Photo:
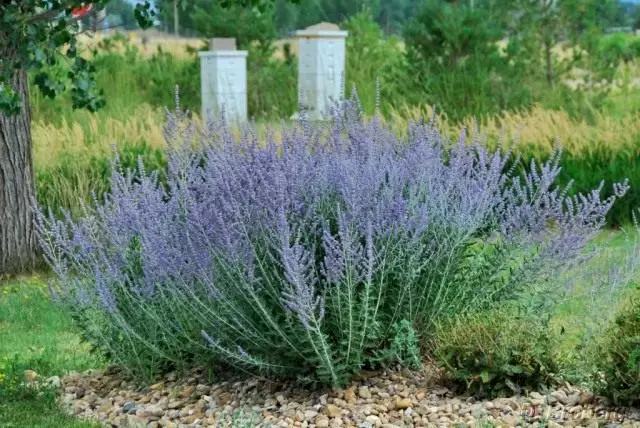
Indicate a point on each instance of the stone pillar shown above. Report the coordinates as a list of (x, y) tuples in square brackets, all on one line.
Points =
[(223, 79), (321, 56)]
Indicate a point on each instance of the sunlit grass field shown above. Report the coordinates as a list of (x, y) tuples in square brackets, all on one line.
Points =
[(539, 129)]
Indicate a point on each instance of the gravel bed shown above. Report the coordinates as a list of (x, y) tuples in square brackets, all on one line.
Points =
[(383, 399)]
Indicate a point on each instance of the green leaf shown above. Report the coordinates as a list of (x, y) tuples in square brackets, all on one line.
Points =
[(512, 386), (48, 86), (39, 55), (511, 369), (10, 102), (144, 14)]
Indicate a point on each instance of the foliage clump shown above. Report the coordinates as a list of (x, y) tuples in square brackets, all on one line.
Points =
[(336, 247), (74, 178), (495, 353), (619, 362)]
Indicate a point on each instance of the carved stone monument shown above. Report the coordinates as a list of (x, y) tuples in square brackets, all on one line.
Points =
[(223, 79), (321, 65)]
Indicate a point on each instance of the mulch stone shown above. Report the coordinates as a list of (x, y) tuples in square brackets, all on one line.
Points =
[(385, 399)]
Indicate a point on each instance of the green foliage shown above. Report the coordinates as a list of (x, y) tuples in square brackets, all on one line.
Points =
[(32, 34), (73, 180), (495, 352), (455, 63), (619, 362), (620, 47), (404, 348), (587, 170), (278, 83), (246, 25), (36, 335), (503, 55), (451, 34), (373, 62), (158, 77)]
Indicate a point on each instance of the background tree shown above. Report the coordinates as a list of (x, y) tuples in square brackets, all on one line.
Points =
[(124, 11), (288, 16), (34, 35), (455, 60), (576, 25), (393, 14), (245, 24), (285, 17), (489, 55), (634, 16)]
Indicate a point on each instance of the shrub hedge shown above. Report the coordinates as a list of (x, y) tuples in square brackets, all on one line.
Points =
[(73, 180), (498, 352), (602, 166)]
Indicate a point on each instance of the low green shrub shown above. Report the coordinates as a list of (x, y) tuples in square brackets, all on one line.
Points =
[(159, 76), (619, 363), (277, 80), (14, 381), (374, 62), (591, 167), (588, 170), (74, 179), (495, 352), (619, 47)]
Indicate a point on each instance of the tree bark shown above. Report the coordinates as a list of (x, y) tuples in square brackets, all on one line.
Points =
[(176, 18), (548, 55), (18, 248)]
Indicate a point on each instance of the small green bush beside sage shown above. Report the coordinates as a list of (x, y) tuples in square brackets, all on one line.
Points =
[(495, 353), (619, 365)]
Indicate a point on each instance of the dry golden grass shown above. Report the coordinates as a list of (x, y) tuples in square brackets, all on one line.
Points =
[(64, 155), (95, 135), (148, 42), (539, 128)]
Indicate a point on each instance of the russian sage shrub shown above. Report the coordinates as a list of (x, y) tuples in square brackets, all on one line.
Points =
[(308, 253)]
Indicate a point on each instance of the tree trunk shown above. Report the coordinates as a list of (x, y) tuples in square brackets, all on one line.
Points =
[(18, 249), (176, 18), (548, 55)]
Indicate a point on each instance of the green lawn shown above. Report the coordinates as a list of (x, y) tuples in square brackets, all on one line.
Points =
[(592, 291), (36, 335), (580, 320)]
